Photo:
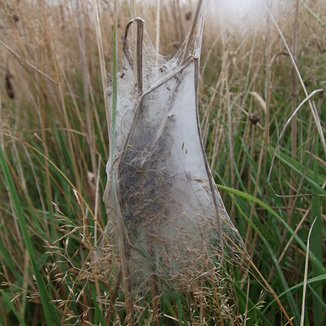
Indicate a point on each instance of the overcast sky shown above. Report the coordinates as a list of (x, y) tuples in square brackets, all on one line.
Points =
[(246, 12)]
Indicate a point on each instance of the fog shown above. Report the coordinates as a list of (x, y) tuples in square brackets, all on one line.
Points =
[(246, 13)]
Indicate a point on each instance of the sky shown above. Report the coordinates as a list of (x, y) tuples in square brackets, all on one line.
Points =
[(236, 6), (246, 12)]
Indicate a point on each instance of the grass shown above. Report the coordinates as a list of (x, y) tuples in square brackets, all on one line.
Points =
[(54, 148)]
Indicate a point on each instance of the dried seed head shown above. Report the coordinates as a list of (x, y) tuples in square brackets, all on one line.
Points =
[(15, 18), (188, 15), (8, 85), (254, 117)]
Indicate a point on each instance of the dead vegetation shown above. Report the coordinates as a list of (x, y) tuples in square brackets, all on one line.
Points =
[(54, 134)]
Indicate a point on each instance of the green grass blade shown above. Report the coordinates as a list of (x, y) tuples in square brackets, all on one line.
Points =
[(318, 279), (246, 196), (310, 178), (98, 312), (7, 302), (251, 304), (5, 257), (316, 246), (290, 298), (180, 309), (49, 311)]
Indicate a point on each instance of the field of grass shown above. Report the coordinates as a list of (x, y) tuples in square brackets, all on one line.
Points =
[(270, 168)]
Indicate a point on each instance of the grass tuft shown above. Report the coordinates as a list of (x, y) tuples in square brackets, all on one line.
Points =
[(55, 265)]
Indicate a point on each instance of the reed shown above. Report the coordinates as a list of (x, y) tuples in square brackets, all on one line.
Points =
[(55, 63)]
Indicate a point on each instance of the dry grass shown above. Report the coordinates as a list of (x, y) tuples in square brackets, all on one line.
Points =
[(54, 135)]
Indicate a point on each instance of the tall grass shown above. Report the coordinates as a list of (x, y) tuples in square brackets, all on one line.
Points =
[(54, 148)]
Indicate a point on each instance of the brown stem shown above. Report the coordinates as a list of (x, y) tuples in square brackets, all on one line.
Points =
[(272, 292), (139, 54), (140, 37), (192, 31), (114, 296)]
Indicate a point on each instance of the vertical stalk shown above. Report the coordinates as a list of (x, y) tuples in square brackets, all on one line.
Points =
[(294, 124), (101, 58), (158, 22), (123, 241), (180, 20), (262, 155), (155, 297), (114, 95), (153, 277), (86, 84), (174, 12), (192, 31), (132, 9), (267, 63), (317, 245), (267, 90), (140, 37), (225, 69)]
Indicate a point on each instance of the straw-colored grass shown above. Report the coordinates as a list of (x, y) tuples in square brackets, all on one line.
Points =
[(54, 147)]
